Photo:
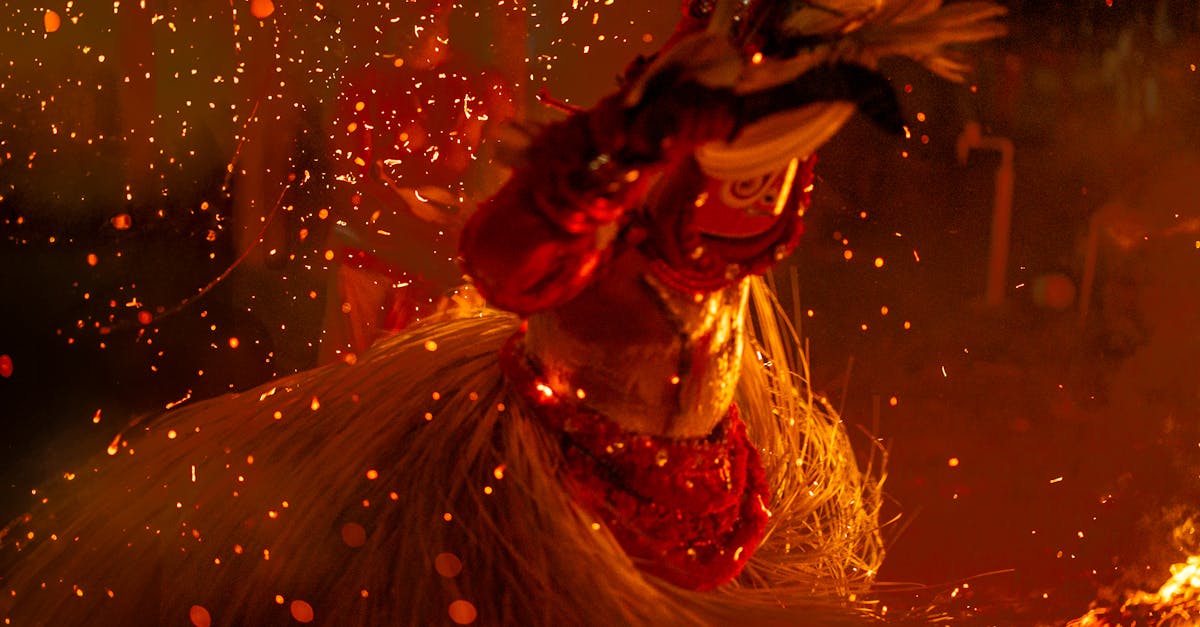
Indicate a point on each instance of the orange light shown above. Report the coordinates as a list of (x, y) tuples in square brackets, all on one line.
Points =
[(354, 535), (447, 565), (463, 612), (199, 616), (262, 9), (302, 612), (52, 21)]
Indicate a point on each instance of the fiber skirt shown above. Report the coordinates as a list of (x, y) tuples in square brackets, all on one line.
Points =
[(415, 487)]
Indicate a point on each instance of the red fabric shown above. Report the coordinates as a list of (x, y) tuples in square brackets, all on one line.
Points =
[(690, 511), (534, 244)]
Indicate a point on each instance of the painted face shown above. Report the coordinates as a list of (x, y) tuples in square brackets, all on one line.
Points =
[(744, 208), (707, 239)]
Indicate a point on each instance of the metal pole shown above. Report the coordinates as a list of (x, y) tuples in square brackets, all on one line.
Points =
[(972, 138)]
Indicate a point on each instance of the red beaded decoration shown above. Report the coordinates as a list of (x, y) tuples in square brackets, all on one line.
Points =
[(688, 510)]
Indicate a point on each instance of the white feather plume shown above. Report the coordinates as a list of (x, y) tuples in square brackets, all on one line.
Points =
[(918, 29)]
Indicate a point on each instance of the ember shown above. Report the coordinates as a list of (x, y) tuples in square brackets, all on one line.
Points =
[(1176, 603)]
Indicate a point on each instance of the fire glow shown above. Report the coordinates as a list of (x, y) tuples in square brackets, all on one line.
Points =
[(1177, 602)]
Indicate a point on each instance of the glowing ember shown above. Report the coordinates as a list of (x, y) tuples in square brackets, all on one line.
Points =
[(199, 616), (447, 565), (463, 612), (52, 21), (262, 9), (354, 535), (302, 611), (1177, 602), (176, 403)]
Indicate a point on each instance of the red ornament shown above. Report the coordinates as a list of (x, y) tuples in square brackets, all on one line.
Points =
[(688, 510)]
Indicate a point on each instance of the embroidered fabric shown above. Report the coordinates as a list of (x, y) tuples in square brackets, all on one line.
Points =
[(690, 511)]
